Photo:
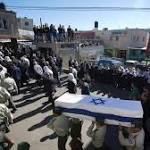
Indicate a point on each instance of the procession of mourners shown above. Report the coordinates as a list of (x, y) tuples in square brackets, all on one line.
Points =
[(19, 68)]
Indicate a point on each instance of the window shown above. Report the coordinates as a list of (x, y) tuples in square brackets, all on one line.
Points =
[(132, 52), (0, 25), (143, 39), (137, 38), (3, 24), (26, 23), (117, 38)]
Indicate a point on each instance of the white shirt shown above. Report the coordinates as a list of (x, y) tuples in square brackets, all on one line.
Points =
[(60, 125), (98, 135), (10, 85), (4, 95), (74, 71), (5, 113), (3, 72), (38, 69), (47, 70), (134, 142)]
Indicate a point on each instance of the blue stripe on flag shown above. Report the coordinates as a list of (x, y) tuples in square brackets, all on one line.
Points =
[(100, 116)]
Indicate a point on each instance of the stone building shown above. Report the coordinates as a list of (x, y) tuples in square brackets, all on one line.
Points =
[(8, 24)]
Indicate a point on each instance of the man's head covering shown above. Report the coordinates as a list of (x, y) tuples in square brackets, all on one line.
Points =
[(23, 146)]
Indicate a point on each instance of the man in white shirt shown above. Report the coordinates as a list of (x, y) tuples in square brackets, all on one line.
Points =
[(5, 97), (74, 71), (38, 69), (9, 84), (134, 140), (60, 124), (25, 64), (97, 135)]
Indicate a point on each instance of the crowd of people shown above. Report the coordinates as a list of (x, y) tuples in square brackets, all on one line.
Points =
[(17, 68), (47, 33), (135, 80)]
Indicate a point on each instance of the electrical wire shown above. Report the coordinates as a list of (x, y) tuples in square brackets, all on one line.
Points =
[(37, 8)]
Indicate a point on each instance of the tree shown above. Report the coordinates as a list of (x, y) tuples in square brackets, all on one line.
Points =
[(2, 6)]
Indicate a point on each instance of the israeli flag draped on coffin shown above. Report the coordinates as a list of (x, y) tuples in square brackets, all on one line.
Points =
[(111, 110)]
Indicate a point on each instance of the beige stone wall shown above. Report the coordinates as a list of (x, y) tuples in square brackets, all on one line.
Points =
[(66, 54), (10, 30), (126, 38)]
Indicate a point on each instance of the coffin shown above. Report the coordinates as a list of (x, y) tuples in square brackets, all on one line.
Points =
[(112, 110)]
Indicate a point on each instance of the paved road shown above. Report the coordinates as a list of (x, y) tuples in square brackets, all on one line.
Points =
[(33, 115)]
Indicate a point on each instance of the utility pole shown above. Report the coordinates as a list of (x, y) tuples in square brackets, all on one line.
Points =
[(41, 22)]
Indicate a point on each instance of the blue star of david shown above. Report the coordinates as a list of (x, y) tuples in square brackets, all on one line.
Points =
[(97, 101)]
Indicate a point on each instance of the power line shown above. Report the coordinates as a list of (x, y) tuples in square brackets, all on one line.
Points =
[(37, 8)]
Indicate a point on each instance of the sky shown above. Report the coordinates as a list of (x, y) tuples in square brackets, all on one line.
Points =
[(85, 20)]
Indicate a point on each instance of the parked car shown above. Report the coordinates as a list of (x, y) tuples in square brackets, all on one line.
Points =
[(108, 62), (131, 63)]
